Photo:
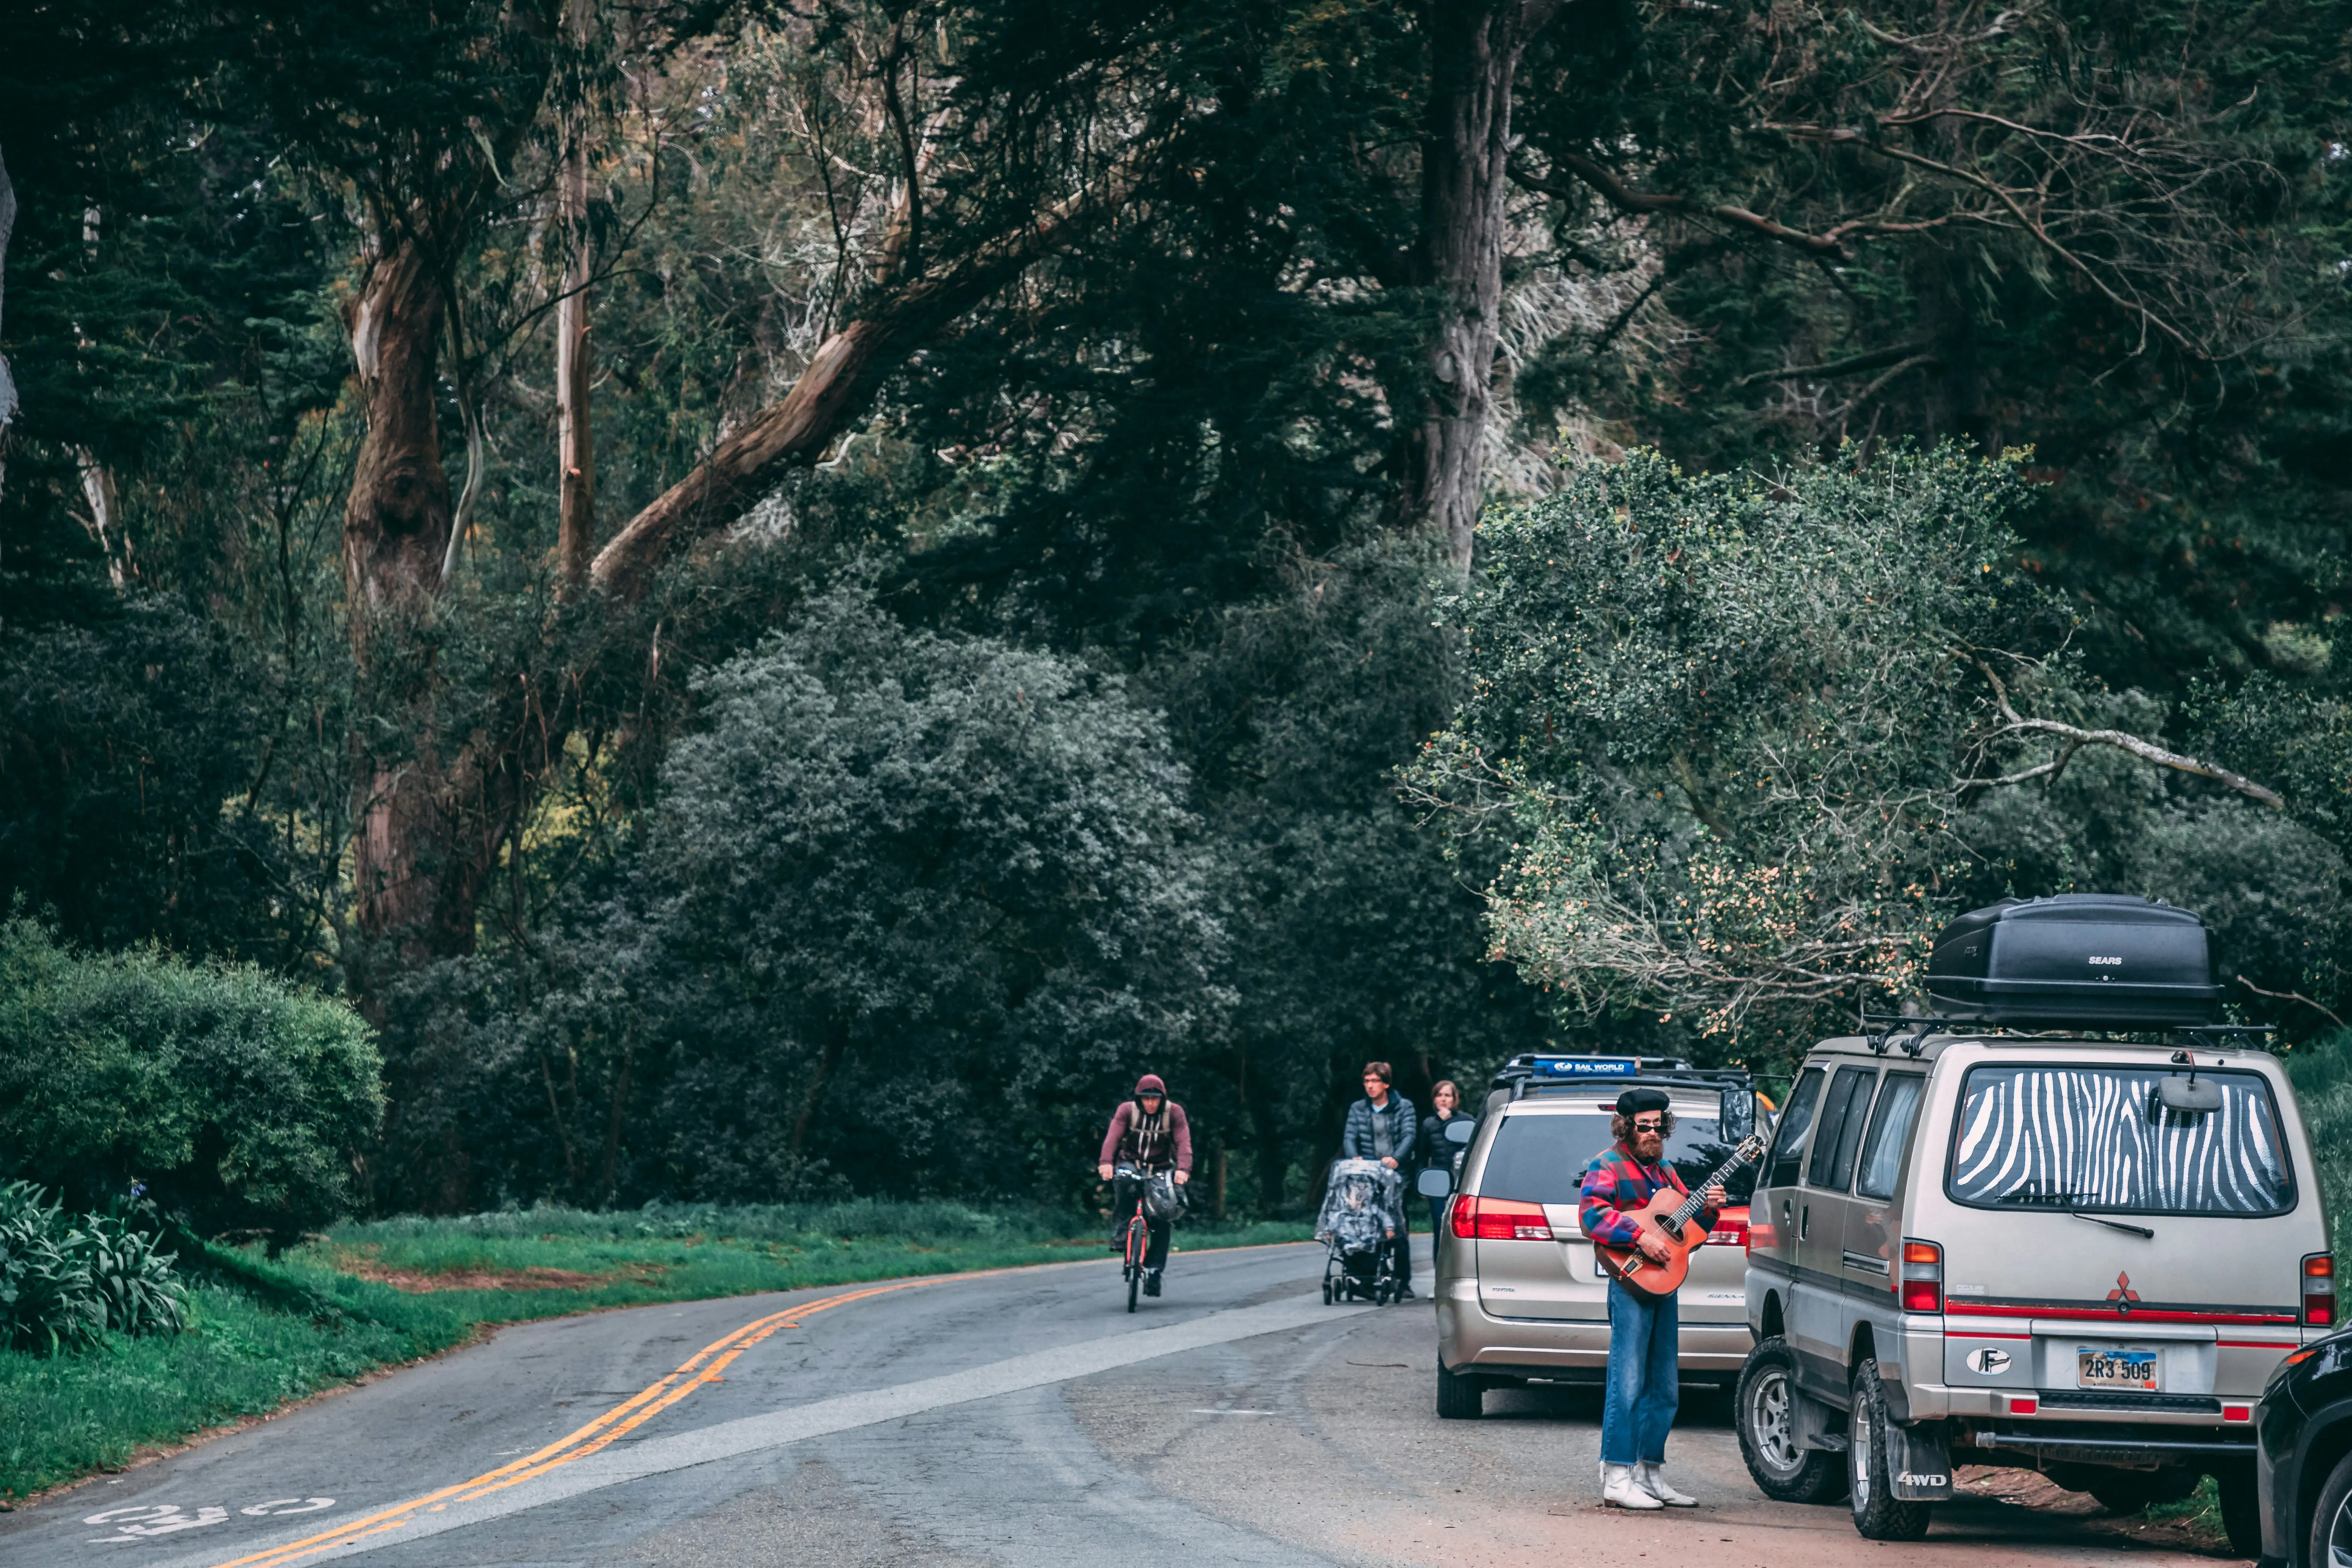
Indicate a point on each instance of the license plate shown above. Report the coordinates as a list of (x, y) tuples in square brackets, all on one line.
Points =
[(2130, 1370)]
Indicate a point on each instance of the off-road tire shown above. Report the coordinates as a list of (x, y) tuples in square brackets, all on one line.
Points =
[(1765, 1410), (2242, 1509), (1460, 1397), (1878, 1514), (2130, 1491)]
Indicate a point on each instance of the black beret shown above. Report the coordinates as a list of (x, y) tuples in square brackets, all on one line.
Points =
[(1635, 1101)]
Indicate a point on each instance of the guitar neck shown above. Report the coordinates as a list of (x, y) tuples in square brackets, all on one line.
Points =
[(1747, 1152)]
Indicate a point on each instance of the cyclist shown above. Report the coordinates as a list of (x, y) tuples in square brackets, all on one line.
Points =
[(1149, 1134)]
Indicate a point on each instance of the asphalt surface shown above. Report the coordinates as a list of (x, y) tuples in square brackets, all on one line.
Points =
[(1021, 1417)]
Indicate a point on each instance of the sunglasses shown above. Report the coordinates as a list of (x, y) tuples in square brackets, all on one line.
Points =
[(1654, 1125)]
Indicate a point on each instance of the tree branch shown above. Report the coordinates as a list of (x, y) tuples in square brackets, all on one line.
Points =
[(1623, 197), (2146, 750), (2290, 997), (1850, 367), (839, 380)]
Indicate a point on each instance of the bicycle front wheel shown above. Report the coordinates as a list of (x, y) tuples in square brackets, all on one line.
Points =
[(1138, 1241)]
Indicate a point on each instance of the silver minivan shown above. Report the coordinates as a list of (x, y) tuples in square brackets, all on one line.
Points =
[(2071, 1255), (1520, 1297)]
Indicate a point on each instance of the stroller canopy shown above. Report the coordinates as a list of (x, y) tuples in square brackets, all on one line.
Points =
[(1362, 1199)]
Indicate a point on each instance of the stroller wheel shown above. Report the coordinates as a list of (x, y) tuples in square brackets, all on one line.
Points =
[(1380, 1295), (1327, 1292)]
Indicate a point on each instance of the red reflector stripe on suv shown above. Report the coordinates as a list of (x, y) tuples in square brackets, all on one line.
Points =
[(1957, 1306)]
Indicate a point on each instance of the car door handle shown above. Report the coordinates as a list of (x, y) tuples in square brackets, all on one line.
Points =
[(1805, 1222)]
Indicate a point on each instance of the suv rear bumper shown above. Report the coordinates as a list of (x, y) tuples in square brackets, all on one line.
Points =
[(1565, 1350)]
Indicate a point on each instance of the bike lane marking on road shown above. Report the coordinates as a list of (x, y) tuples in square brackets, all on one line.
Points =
[(420, 1518), (700, 1368)]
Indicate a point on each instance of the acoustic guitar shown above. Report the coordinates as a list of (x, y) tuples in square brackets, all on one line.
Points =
[(1667, 1216)]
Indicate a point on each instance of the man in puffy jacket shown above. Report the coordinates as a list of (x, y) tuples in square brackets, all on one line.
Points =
[(1381, 1126), (1151, 1134)]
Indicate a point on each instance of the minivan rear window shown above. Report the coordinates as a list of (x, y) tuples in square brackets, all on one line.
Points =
[(2095, 1138), (1541, 1159)]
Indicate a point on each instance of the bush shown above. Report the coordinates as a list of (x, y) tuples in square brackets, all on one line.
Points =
[(235, 1099), (64, 1283)]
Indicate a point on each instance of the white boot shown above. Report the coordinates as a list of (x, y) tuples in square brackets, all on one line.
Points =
[(1619, 1489), (1652, 1479)]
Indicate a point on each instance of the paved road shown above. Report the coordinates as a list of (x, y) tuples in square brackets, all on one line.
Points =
[(1022, 1417)]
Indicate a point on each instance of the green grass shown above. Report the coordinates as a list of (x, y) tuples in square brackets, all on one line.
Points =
[(66, 1417)]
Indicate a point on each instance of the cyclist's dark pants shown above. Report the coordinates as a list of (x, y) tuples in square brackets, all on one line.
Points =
[(1125, 1191)]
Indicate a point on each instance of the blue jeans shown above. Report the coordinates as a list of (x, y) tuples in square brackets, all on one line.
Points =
[(1644, 1381)]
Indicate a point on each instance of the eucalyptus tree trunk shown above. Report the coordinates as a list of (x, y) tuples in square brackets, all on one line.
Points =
[(1474, 51), (7, 383), (396, 529), (575, 440)]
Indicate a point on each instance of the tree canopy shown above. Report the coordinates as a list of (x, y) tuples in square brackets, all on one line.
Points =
[(440, 438)]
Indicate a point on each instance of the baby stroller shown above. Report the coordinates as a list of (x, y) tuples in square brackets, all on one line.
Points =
[(1362, 1227)]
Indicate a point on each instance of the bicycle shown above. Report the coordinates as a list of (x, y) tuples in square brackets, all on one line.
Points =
[(1138, 1235)]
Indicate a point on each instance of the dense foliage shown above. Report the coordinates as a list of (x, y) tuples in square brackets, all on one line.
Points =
[(1753, 741), (237, 1100), (911, 906)]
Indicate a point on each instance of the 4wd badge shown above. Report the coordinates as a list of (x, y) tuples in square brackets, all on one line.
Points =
[(1988, 1361)]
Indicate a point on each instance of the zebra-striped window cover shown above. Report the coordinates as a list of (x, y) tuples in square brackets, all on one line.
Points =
[(2095, 1138)]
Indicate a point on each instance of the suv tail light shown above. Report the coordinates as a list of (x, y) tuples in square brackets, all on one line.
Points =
[(1499, 1219), (1920, 1282), (2319, 1289)]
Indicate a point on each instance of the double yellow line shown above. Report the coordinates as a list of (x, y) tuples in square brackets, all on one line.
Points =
[(704, 1366)]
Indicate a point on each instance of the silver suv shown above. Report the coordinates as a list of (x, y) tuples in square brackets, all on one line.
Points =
[(1520, 1298), (2075, 1256)]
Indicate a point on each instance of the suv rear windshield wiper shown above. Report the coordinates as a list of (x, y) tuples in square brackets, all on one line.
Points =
[(2139, 1230)]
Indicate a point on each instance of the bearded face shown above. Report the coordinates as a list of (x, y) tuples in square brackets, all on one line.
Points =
[(1648, 1136)]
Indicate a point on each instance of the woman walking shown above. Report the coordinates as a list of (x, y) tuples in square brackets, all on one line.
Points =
[(1436, 1150)]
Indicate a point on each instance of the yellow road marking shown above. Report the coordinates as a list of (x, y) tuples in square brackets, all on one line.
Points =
[(700, 1368)]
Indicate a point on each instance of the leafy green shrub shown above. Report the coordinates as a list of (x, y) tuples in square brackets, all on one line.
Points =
[(2322, 1073), (63, 1282), (132, 1277), (46, 1303), (237, 1099)]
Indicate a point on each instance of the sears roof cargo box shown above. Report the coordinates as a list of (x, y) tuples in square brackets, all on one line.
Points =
[(2088, 960)]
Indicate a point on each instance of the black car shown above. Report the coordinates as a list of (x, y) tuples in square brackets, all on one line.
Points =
[(2303, 1475)]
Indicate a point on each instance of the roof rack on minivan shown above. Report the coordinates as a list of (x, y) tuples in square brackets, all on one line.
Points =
[(1879, 1029), (1535, 1073)]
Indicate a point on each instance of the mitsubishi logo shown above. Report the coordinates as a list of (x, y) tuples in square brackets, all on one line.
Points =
[(2123, 1295)]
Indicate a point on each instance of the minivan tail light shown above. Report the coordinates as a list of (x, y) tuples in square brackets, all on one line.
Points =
[(1500, 1219), (1920, 1282), (2319, 1289)]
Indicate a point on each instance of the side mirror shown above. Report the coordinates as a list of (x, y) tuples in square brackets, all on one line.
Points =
[(1459, 1130), (1433, 1183), (2188, 1095)]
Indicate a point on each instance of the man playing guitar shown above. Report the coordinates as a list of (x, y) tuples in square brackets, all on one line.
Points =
[(1645, 1340)]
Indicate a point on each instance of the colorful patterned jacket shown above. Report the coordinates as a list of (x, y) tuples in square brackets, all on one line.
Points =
[(1614, 1181)]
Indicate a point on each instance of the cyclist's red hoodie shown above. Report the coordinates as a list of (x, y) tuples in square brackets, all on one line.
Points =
[(1130, 1130)]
